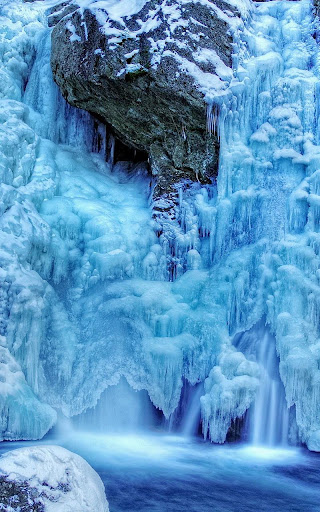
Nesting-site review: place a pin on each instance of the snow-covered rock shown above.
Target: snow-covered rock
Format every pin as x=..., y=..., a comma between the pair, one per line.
x=49, y=479
x=149, y=70
x=90, y=294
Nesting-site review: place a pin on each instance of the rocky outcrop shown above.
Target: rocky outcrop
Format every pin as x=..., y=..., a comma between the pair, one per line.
x=149, y=75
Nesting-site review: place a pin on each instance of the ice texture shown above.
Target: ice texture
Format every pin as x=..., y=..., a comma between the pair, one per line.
x=267, y=199
x=61, y=480
x=92, y=291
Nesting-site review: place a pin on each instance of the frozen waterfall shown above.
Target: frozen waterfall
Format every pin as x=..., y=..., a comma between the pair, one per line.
x=93, y=293
x=265, y=240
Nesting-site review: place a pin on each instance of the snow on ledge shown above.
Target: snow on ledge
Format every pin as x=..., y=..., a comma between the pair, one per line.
x=118, y=9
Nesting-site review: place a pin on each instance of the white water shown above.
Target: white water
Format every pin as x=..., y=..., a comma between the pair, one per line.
x=174, y=474
x=186, y=418
x=268, y=418
x=120, y=409
x=192, y=414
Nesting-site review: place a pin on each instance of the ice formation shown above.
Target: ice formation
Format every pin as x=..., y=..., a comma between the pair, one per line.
x=60, y=480
x=86, y=293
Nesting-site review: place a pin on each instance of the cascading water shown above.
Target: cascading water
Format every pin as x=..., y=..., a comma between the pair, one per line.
x=192, y=415
x=186, y=418
x=268, y=418
x=120, y=410
x=271, y=417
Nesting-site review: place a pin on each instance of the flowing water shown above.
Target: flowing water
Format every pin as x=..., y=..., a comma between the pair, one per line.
x=120, y=409
x=192, y=414
x=186, y=419
x=268, y=418
x=173, y=474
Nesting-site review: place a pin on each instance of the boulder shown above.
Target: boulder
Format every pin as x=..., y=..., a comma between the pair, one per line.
x=49, y=479
x=149, y=70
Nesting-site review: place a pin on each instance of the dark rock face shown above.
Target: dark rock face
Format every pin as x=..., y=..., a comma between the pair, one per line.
x=143, y=74
x=59, y=11
x=19, y=496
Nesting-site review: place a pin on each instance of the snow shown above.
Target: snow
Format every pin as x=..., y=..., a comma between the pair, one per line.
x=65, y=481
x=72, y=29
x=113, y=17
x=116, y=9
x=206, y=55
x=208, y=83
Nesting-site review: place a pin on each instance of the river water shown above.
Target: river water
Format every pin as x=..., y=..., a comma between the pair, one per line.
x=160, y=473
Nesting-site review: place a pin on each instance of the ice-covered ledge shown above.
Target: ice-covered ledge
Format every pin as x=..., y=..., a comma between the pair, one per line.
x=51, y=479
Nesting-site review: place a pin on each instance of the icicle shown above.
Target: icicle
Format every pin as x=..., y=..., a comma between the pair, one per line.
x=213, y=119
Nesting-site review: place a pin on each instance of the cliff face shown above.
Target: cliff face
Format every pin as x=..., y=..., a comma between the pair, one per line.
x=149, y=74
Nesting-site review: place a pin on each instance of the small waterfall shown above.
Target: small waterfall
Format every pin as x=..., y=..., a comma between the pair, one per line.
x=268, y=421
x=270, y=417
x=192, y=416
x=120, y=409
x=186, y=418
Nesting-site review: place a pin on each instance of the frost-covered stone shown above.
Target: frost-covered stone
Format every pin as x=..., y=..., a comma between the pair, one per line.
x=148, y=70
x=49, y=479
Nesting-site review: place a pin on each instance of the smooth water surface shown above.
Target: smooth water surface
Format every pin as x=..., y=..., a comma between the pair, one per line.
x=173, y=474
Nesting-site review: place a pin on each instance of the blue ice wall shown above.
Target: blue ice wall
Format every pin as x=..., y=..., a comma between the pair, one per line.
x=85, y=288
